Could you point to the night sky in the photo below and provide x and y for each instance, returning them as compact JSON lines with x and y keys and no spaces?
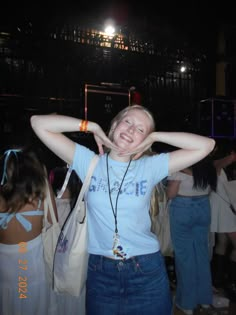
{"x":195,"y":20}
{"x":181,"y":13}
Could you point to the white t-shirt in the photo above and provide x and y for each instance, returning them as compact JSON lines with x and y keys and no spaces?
{"x":186,"y":185}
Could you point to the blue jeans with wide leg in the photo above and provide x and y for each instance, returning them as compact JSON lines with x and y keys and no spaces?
{"x":136,"y":286}
{"x":189,"y":226}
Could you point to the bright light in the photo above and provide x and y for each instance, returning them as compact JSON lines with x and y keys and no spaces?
{"x":182,"y":69}
{"x":109,"y":27}
{"x":109,"y":30}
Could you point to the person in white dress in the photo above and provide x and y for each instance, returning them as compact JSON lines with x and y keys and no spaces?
{"x":223,"y":227}
{"x":24,"y":288}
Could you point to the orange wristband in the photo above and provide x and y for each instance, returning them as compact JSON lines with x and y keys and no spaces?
{"x":83,"y":125}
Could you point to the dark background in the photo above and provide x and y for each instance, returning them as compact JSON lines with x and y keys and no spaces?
{"x":49,"y":51}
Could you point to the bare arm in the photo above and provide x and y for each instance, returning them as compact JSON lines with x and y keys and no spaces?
{"x":227,"y":160}
{"x":193,"y":148}
{"x":172,"y":188}
{"x":50,"y":129}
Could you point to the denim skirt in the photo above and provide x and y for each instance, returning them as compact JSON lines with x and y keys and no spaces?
{"x":136,"y":286}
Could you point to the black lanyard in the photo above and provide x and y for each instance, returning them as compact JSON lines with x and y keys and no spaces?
{"x":117,"y":197}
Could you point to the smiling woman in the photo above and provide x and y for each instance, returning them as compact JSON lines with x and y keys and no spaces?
{"x":130,"y":127}
{"x":125,"y":262}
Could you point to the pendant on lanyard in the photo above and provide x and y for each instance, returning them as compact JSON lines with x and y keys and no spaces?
{"x":117,"y":248}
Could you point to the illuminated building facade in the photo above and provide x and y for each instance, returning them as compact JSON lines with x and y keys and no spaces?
{"x":46,"y":70}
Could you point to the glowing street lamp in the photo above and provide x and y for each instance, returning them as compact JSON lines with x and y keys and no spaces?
{"x":109,"y":28}
{"x":183,"y":69}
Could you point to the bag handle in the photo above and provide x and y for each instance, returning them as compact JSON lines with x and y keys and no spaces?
{"x":48,"y":206}
{"x":63,"y":188}
{"x":86,"y":181}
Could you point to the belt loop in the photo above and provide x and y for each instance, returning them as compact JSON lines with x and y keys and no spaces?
{"x":135,"y":262}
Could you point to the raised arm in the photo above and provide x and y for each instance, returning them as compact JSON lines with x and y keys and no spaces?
{"x":193,"y":148}
{"x":51,"y":128}
{"x":225,"y":161}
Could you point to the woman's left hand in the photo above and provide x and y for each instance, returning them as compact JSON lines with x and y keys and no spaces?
{"x":101,"y":138}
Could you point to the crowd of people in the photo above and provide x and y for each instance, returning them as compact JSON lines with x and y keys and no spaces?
{"x":126,"y":268}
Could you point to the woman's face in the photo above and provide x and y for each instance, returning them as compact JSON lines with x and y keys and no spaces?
{"x":132,"y":129}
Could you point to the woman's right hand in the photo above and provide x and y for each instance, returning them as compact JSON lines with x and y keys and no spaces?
{"x":101,"y":138}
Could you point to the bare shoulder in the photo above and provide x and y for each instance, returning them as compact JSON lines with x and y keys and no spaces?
{"x":2,"y":205}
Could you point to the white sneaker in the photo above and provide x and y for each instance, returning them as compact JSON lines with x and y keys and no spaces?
{"x":187,"y":312}
{"x":220,"y":301}
{"x":205,"y":306}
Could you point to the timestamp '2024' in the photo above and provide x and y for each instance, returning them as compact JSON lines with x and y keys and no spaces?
{"x":22,"y":287}
{"x":23,"y":266}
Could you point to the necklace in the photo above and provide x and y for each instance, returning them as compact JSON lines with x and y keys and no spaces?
{"x":116,"y":248}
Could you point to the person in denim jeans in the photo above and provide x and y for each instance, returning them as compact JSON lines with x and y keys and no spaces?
{"x":126,"y":270}
{"x":190,"y":218}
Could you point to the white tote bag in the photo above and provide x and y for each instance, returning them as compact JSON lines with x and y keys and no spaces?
{"x":163,"y":231}
{"x":161,"y":221}
{"x":71,"y":256}
{"x":50,"y":234}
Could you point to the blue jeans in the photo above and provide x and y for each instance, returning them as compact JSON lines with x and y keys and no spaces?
{"x":136,"y":286}
{"x":189,"y":225}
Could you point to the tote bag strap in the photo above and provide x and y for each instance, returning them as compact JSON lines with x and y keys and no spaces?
{"x":86,"y":182}
{"x":63,"y":188}
{"x":48,"y":206}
